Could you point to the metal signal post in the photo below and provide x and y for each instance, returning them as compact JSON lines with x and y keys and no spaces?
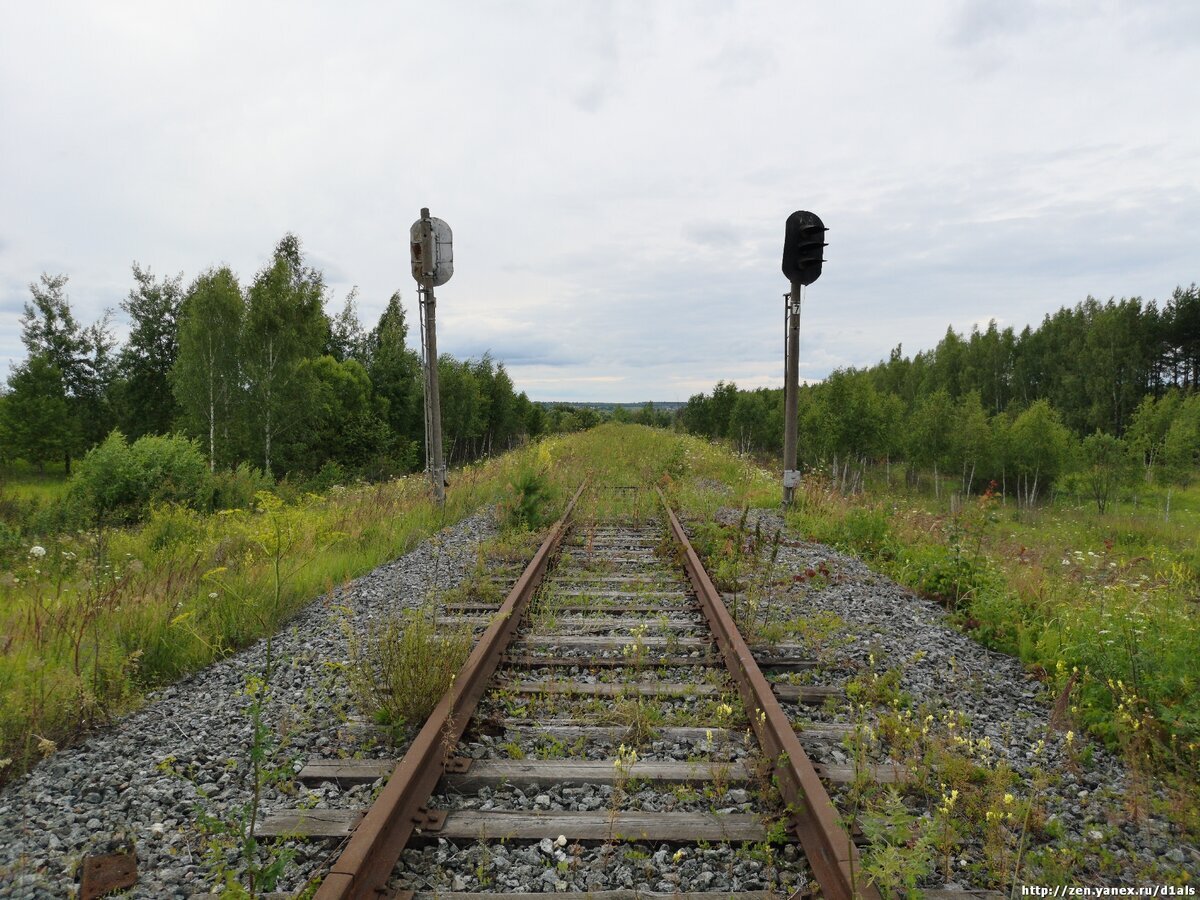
{"x":803,"y":253}
{"x":791,"y":388}
{"x":432,"y":265}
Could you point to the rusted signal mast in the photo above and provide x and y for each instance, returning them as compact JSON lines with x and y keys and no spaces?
{"x":432,"y":253}
{"x":803,"y":251}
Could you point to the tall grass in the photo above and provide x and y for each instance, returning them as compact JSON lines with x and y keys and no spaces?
{"x":1103,"y":607}
{"x":90,"y":620}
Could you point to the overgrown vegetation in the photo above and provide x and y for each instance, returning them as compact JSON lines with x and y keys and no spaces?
{"x":1102,"y":608}
{"x":402,"y":666}
{"x":91,"y":619}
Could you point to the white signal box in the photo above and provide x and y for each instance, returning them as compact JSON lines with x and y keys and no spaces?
{"x":441,"y":267}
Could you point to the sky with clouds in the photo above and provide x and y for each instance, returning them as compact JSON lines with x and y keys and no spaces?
{"x":617,"y":174}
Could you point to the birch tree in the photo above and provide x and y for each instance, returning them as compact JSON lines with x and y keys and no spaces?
{"x":204,"y":377}
{"x":285,"y":324}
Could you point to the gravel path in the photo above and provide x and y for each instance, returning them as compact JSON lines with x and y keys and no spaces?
{"x":986,"y":695}
{"x":145,"y":779}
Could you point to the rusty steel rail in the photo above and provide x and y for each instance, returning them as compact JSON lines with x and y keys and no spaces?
{"x":364,"y":867}
{"x":830,"y":852}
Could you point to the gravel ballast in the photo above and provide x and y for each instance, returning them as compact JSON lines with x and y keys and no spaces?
{"x":145,"y":779}
{"x":885,"y":626}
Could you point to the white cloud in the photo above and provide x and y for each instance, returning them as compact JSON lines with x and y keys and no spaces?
{"x":617,"y":174}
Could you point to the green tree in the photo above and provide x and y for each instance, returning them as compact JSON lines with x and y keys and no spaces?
{"x":972,"y":437}
{"x":1181,"y":446}
{"x":347,"y":340}
{"x":462,"y":406}
{"x":117,"y":482}
{"x":931,"y":435}
{"x":396,"y":378}
{"x":1149,"y":425}
{"x":1106,"y":466}
{"x":147,"y":405}
{"x":1041,"y":449}
{"x":503,"y":424}
{"x":342,"y":424}
{"x":748,"y":421}
{"x":724,"y":396}
{"x":36,"y":423}
{"x":285,"y":324}
{"x":83,"y":357}
{"x":205,"y":377}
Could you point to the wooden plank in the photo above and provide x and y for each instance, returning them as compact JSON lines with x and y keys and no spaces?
{"x":618,"y":733}
{"x":573,"y":577}
{"x":601,"y":641}
{"x":795,"y":693}
{"x":603,"y":662}
{"x":785,"y":664}
{"x":611,"y":895}
{"x":346,"y":771}
{"x":808,"y":693}
{"x":576,"y":728}
{"x":604,"y":641}
{"x":577,"y":772}
{"x":317,"y":824}
{"x":580,"y":623}
{"x":608,"y":689}
{"x":681,"y":594}
{"x":556,"y":607}
{"x":533,"y":825}
{"x":880,"y":774}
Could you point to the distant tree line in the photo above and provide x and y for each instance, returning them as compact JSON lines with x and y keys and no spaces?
{"x":258,"y":374}
{"x":1096,"y":392}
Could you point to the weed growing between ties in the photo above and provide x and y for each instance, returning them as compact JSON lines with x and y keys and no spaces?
{"x":401,"y":668}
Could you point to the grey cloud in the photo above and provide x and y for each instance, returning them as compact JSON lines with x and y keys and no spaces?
{"x":741,"y":64}
{"x":713,"y":234}
{"x":980,"y":21}
{"x":592,"y":97}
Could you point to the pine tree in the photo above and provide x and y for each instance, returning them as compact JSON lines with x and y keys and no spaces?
{"x":36,"y":423}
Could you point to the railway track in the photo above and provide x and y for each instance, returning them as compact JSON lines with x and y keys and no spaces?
{"x":610,"y":712}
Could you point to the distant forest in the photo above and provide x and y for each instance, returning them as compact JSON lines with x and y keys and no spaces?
{"x":1095,"y":388}
{"x":260,"y":375}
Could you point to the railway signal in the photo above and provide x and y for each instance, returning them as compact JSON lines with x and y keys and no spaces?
{"x":803,"y":247}
{"x":431,"y":251}
{"x":803,"y":253}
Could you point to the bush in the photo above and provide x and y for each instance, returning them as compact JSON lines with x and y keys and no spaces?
{"x":403,"y":666}
{"x":331,"y":474}
{"x":117,"y":482}
{"x":237,"y":488}
{"x":866,"y":531}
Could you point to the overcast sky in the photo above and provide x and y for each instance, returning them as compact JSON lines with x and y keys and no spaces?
{"x":617,"y":175}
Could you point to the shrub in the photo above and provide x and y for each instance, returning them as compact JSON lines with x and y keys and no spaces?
{"x":117,"y":482}
{"x":330,"y":474}
{"x":866,"y":531}
{"x":402,"y":667}
{"x":237,"y":488}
